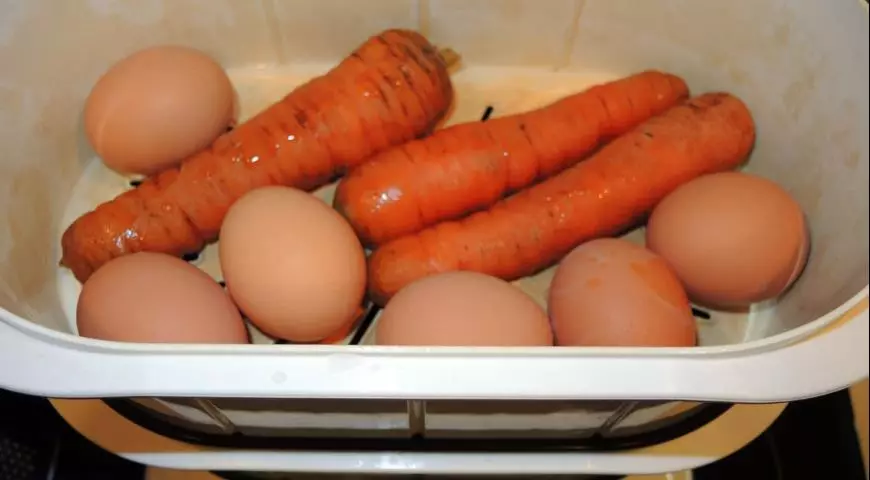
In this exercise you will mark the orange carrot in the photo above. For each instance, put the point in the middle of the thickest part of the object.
(393, 88)
(601, 196)
(468, 167)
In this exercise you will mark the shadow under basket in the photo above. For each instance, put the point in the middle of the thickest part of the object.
(800, 66)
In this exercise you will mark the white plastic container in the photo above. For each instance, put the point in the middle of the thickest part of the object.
(801, 66)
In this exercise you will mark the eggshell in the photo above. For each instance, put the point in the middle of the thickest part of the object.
(732, 238)
(157, 298)
(292, 264)
(462, 309)
(610, 292)
(156, 107)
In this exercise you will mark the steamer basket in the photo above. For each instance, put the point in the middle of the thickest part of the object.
(801, 66)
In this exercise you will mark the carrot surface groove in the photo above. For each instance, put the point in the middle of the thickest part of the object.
(468, 167)
(393, 88)
(601, 196)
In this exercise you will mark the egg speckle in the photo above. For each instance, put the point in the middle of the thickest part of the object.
(610, 292)
(732, 238)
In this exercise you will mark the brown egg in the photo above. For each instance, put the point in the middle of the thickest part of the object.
(463, 309)
(156, 107)
(292, 264)
(157, 298)
(610, 292)
(732, 238)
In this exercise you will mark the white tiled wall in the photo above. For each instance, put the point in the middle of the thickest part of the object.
(505, 32)
(329, 29)
(90, 34)
(81, 37)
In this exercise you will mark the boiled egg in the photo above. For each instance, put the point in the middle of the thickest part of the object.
(613, 293)
(156, 298)
(732, 238)
(462, 308)
(292, 264)
(156, 107)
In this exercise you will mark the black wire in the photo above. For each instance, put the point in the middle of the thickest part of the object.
(487, 113)
(365, 324)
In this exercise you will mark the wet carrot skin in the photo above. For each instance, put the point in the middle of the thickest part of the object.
(608, 193)
(394, 88)
(468, 167)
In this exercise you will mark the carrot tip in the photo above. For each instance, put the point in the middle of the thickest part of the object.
(450, 57)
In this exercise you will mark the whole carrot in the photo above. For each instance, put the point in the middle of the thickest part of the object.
(393, 88)
(468, 167)
(609, 192)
